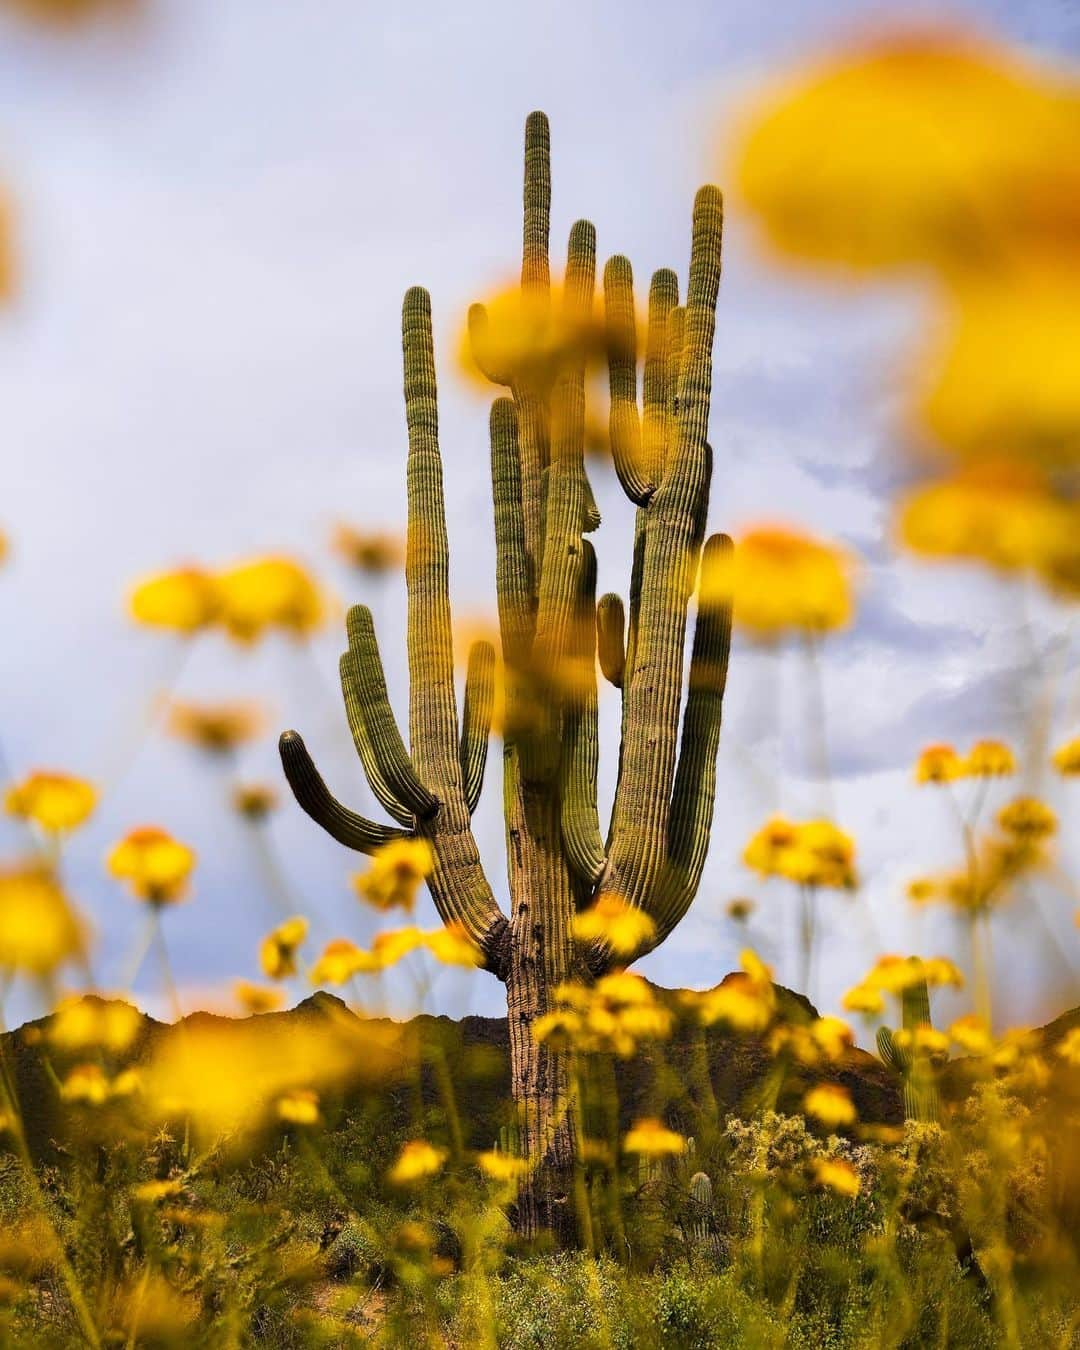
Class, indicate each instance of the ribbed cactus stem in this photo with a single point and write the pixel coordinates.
(610, 623)
(476, 719)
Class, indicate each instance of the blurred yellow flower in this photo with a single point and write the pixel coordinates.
(653, 1139)
(830, 1104)
(972, 1034)
(921, 889)
(612, 1016)
(989, 759)
(922, 147)
(154, 864)
(521, 338)
(501, 1166)
(299, 1107)
(623, 927)
(809, 853)
(938, 764)
(216, 727)
(150, 1192)
(395, 874)
(895, 974)
(389, 947)
(452, 946)
(277, 952)
(268, 593)
(783, 581)
(373, 552)
(1067, 758)
(417, 1160)
(745, 1000)
(864, 998)
(65, 13)
(257, 998)
(185, 600)
(1028, 818)
(739, 909)
(836, 1175)
(922, 1040)
(81, 1022)
(254, 801)
(1069, 1047)
(88, 1085)
(39, 930)
(340, 961)
(55, 801)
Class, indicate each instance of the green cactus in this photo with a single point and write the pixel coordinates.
(560, 860)
(917, 1070)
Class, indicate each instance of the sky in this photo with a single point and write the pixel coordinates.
(218, 209)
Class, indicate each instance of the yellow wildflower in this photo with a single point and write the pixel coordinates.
(39, 930)
(395, 874)
(888, 187)
(989, 759)
(938, 764)
(922, 1040)
(55, 801)
(452, 946)
(1005, 514)
(782, 581)
(521, 338)
(80, 1022)
(1028, 818)
(269, 593)
(972, 1034)
(1069, 1047)
(623, 927)
(830, 1104)
(864, 998)
(154, 864)
(216, 727)
(254, 801)
(501, 1166)
(921, 889)
(894, 974)
(340, 961)
(836, 1175)
(373, 552)
(417, 1161)
(277, 953)
(150, 1192)
(389, 947)
(88, 1085)
(186, 600)
(745, 1000)
(810, 853)
(939, 970)
(739, 909)
(257, 998)
(299, 1107)
(1067, 758)
(653, 1139)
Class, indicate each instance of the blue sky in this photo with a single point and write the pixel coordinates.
(219, 207)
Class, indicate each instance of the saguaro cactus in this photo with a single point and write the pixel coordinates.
(560, 861)
(916, 1066)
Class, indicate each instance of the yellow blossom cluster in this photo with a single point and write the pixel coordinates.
(745, 1001)
(57, 802)
(395, 873)
(825, 1039)
(89, 1085)
(417, 1161)
(612, 1016)
(373, 552)
(652, 1139)
(39, 929)
(782, 581)
(836, 1174)
(342, 959)
(278, 950)
(155, 866)
(809, 853)
(247, 600)
(997, 863)
(215, 727)
(894, 974)
(83, 1023)
(944, 764)
(622, 927)
(830, 1104)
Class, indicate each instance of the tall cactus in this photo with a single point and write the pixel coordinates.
(916, 1067)
(559, 859)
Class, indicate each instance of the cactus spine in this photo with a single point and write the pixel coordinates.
(560, 860)
(917, 1070)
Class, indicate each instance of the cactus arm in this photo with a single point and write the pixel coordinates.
(476, 719)
(513, 583)
(580, 820)
(652, 698)
(889, 1052)
(458, 886)
(362, 741)
(368, 684)
(694, 793)
(915, 1006)
(610, 620)
(661, 363)
(624, 424)
(355, 832)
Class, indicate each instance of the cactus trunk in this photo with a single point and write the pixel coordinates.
(551, 632)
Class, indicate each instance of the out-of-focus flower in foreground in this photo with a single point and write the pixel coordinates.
(836, 1175)
(340, 961)
(830, 1104)
(989, 759)
(277, 953)
(39, 929)
(299, 1107)
(395, 874)
(1027, 818)
(417, 1161)
(80, 1022)
(610, 1017)
(216, 727)
(269, 593)
(938, 764)
(55, 801)
(254, 801)
(89, 1085)
(155, 866)
(501, 1166)
(258, 998)
(185, 600)
(924, 148)
(809, 853)
(624, 928)
(653, 1139)
(452, 946)
(372, 551)
(745, 1001)
(782, 581)
(1066, 758)
(68, 13)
